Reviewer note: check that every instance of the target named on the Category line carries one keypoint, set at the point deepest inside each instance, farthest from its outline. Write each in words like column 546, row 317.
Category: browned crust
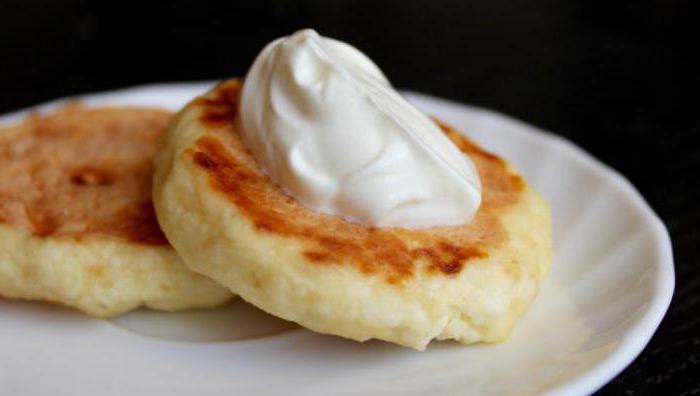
column 394, row 253
column 82, row 171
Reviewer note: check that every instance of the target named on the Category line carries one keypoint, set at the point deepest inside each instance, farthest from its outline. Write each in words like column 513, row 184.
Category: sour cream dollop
column 325, row 124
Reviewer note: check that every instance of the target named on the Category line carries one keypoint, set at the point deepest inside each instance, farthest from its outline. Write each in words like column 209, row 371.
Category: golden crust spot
column 96, row 271
column 89, row 176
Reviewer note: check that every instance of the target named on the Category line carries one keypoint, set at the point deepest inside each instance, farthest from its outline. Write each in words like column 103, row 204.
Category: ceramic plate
column 610, row 285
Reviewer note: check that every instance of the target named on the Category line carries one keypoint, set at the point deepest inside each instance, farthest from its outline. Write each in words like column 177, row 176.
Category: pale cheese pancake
column 77, row 225
column 230, row 222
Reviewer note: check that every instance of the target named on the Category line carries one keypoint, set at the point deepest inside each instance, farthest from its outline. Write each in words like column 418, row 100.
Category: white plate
column 610, row 285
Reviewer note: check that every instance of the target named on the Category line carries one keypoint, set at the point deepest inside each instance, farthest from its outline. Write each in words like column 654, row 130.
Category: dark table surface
column 616, row 77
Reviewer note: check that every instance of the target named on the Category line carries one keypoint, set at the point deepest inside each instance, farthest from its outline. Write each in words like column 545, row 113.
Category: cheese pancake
column 230, row 222
column 77, row 225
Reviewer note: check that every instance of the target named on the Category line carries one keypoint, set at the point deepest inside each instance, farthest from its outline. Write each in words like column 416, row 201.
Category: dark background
column 616, row 77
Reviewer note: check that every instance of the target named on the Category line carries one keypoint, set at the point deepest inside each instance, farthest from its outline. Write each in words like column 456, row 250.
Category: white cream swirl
column 325, row 124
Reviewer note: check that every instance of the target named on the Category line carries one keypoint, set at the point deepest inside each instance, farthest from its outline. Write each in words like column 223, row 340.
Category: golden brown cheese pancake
column 77, row 225
column 230, row 222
